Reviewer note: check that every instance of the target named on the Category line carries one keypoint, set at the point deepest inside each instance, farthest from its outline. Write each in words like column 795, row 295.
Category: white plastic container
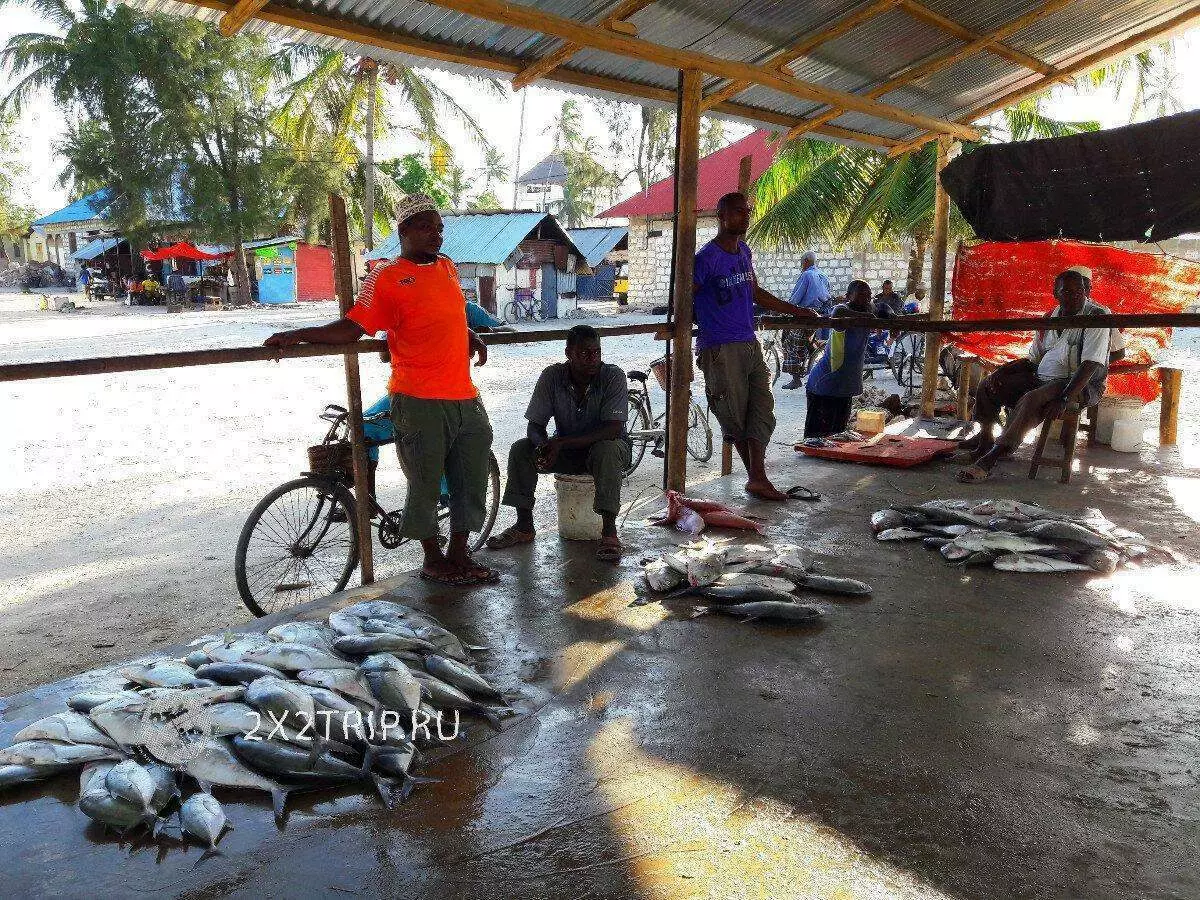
column 1127, row 435
column 577, row 521
column 1114, row 407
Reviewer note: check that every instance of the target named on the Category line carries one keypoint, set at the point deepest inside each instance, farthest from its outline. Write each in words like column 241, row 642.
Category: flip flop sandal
column 970, row 476
column 800, row 492
column 460, row 579
column 610, row 552
column 509, row 537
column 482, row 575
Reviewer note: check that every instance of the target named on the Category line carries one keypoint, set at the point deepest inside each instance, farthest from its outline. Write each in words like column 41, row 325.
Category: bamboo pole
column 687, row 153
column 744, row 171
column 1168, row 415
column 343, row 275
column 937, row 294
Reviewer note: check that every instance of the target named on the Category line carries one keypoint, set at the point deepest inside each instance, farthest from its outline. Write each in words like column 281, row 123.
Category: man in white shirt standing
column 1062, row 367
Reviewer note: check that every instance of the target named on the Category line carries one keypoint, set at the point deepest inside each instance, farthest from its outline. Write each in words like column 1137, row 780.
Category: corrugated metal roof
column 481, row 238
column 597, row 243
column 83, row 210
column 551, row 170
column 95, row 248
column 748, row 31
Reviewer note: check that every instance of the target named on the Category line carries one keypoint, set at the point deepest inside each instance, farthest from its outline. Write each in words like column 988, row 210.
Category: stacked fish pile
column 749, row 581
column 306, row 705
column 1012, row 535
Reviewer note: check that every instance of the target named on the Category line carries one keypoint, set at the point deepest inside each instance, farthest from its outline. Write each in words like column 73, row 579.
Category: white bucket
column 1127, row 435
column 1113, row 408
column 577, row 521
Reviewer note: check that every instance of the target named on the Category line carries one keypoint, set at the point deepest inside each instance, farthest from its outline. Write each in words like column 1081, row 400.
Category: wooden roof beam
column 993, row 42
column 944, row 61
column 238, row 15
column 614, row 21
column 1086, row 64
column 805, row 45
column 521, row 16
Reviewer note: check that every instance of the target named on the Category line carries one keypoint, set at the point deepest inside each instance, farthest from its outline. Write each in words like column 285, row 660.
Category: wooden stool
column 1068, row 434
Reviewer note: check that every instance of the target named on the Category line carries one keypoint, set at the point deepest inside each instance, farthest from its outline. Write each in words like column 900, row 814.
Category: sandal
column 973, row 475
column 610, row 550
column 453, row 579
column 509, row 537
column 800, row 492
column 482, row 575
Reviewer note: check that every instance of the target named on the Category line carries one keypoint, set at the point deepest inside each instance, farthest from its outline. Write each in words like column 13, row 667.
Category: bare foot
column 764, row 490
column 472, row 569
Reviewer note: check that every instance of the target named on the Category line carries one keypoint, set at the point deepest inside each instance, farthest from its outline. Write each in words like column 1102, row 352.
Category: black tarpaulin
column 1137, row 183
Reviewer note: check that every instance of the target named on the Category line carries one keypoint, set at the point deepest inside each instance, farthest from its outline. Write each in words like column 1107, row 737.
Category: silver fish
column 166, row 787
column 235, row 648
column 128, row 781
column 93, row 774
column 1102, row 561
column 197, row 658
column 345, row 623
column 113, row 812
column 900, row 534
column 294, row 764
column 382, row 609
column 953, row 552
column 51, row 753
column 342, row 681
column 771, row 609
column 367, row 644
column 461, row 676
column 213, row 763
column 168, row 673
column 886, row 519
column 284, row 699
column 188, row 698
column 1066, row 531
column 66, row 727
column 937, row 511
column 121, row 720
column 1000, row 541
column 312, row 634
column 89, row 700
column 202, row 817
column 832, row 584
column 235, row 673
column 1027, row 562
column 935, row 543
column 395, row 689
column 14, row 775
column 295, row 658
column 446, row 696
column 743, row 594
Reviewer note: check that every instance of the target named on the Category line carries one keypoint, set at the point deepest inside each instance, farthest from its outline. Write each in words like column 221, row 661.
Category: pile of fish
column 305, row 705
column 749, row 581
column 1012, row 535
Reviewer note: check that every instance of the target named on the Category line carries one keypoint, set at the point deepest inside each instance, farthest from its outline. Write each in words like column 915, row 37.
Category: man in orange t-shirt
column 441, row 425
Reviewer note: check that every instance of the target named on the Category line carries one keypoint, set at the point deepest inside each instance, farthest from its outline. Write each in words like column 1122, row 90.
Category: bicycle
column 772, row 354
column 522, row 306
column 646, row 429
column 300, row 542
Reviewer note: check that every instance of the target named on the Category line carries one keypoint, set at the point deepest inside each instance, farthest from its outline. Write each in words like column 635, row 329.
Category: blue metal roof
column 481, row 238
column 90, row 207
column 95, row 248
column 597, row 243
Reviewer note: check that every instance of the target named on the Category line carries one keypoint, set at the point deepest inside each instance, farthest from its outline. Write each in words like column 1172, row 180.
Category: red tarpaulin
column 996, row 280
column 181, row 250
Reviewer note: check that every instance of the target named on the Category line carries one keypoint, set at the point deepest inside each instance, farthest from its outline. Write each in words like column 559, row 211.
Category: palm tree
column 494, row 168
column 820, row 191
column 340, row 103
column 1151, row 75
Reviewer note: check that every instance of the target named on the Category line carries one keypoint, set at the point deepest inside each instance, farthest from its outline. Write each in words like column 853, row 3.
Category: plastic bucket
column 1127, row 435
column 1113, row 408
column 577, row 521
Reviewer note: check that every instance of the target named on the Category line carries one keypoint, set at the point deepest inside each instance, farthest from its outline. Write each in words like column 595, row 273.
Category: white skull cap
column 412, row 205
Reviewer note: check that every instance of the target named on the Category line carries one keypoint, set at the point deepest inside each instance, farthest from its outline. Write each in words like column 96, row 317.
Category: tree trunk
column 241, row 275
column 916, row 264
column 369, row 185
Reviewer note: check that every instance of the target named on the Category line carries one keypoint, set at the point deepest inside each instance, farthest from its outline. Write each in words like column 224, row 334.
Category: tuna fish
column 215, row 764
column 14, row 775
column 295, row 658
column 89, row 700
column 167, row 673
column 113, row 812
column 1027, row 562
column 312, row 634
column 461, row 676
column 42, row 753
column 293, row 764
column 886, row 519
column 128, row 781
column 1066, row 531
column 832, row 584
column 344, row 681
column 66, row 727
column 800, row 613
column 367, row 644
column 900, row 534
column 201, row 817
column 235, row 672
column 446, row 696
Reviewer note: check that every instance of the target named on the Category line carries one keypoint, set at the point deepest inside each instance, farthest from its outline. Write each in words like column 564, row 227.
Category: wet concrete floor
column 962, row 733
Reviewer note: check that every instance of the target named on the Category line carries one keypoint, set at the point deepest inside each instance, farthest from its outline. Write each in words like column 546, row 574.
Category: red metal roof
column 718, row 175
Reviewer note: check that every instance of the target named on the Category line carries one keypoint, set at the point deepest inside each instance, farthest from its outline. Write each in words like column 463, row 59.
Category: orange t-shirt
column 424, row 312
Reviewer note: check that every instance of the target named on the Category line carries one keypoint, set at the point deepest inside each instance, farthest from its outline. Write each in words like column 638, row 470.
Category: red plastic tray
column 893, row 450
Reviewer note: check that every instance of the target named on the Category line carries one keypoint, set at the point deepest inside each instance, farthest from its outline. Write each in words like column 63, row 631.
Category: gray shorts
column 739, row 390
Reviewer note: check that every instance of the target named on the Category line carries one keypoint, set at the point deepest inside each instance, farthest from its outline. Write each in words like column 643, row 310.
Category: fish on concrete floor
column 1028, row 562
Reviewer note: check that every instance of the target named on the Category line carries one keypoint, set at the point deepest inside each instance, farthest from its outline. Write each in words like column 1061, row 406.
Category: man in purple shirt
column 729, row 355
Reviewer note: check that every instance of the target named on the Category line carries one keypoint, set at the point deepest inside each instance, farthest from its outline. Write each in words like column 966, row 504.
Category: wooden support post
column 687, row 158
column 937, row 296
column 344, row 284
column 744, row 184
column 1168, row 416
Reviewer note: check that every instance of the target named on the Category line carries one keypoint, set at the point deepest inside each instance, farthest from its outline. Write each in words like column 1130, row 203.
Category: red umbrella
column 180, row 250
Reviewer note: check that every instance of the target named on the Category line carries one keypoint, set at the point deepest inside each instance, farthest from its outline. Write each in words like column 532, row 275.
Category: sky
column 42, row 123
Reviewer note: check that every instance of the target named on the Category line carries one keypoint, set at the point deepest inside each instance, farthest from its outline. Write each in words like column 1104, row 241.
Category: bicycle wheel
column 774, row 362
column 299, row 544
column 512, row 312
column 699, row 436
column 476, row 539
column 896, row 363
column 535, row 310
column 638, row 420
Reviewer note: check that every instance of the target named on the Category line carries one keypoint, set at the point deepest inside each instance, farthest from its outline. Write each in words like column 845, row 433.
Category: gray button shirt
column 554, row 397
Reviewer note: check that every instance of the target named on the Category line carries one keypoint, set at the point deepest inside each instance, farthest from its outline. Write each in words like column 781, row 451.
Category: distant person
column 735, row 374
column 837, row 376
column 84, row 282
column 1061, row 367
column 441, row 425
column 888, row 302
column 588, row 399
column 176, row 286
column 811, row 292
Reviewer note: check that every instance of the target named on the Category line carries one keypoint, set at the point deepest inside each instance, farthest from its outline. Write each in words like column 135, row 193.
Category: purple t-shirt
column 724, row 285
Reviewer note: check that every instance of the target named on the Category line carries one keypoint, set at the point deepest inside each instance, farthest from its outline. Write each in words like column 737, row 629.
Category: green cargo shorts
column 436, row 437
column 739, row 390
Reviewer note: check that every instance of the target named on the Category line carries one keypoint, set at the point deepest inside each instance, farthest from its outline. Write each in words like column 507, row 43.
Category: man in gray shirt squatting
column 588, row 399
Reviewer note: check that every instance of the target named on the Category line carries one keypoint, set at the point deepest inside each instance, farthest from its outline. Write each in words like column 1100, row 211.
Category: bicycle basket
column 331, row 459
column 661, row 372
